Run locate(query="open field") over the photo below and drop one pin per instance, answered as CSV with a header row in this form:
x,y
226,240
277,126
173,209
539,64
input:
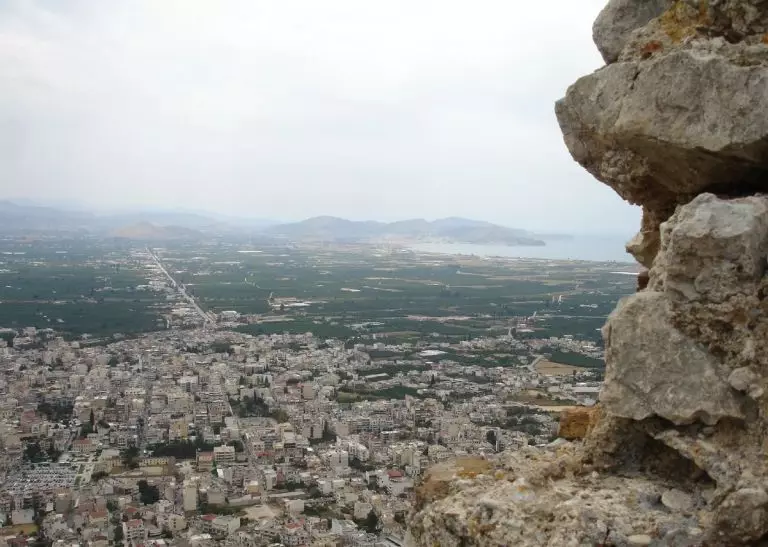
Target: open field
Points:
x,y
550,368
75,287
397,295
345,292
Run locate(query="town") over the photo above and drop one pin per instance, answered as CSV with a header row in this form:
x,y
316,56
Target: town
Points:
x,y
293,419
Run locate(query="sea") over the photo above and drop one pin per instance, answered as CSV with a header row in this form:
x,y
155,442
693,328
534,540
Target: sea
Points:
x,y
592,248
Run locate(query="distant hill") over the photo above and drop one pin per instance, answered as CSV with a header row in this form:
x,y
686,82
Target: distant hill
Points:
x,y
165,225
26,217
16,218
455,230
146,231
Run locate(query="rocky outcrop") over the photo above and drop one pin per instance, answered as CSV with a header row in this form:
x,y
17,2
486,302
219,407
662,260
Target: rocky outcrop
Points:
x,y
677,122
619,18
682,110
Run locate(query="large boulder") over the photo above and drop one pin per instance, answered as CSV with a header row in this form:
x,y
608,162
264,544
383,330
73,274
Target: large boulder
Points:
x,y
711,269
655,370
663,129
618,19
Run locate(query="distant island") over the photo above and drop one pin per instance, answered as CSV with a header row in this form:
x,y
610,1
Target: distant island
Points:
x,y
446,230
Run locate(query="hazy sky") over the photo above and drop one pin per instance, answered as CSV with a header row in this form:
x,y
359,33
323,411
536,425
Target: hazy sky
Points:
x,y
380,109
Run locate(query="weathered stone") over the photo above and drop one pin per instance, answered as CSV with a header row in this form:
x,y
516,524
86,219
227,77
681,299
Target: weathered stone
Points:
x,y
677,500
725,26
742,379
618,19
655,370
646,243
712,247
743,516
661,130
643,278
576,423
534,508
437,481
640,539
711,268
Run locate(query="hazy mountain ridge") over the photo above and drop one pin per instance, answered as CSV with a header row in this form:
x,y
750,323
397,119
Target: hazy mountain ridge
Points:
x,y
158,224
147,231
25,217
452,229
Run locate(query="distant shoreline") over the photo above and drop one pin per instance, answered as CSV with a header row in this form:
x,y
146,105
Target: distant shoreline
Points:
x,y
590,249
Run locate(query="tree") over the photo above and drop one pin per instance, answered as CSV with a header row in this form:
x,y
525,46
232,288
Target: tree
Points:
x,y
8,337
280,415
86,429
148,494
53,453
33,453
131,457
118,534
328,435
96,477
92,419
371,523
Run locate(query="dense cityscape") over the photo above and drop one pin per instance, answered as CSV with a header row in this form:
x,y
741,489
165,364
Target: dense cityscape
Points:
x,y
230,404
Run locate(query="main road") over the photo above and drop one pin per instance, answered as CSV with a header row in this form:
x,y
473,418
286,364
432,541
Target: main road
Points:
x,y
181,290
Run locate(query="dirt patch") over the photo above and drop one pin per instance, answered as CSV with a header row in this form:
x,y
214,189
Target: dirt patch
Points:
x,y
550,368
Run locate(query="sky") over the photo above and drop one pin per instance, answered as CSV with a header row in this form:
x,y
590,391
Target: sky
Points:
x,y
287,109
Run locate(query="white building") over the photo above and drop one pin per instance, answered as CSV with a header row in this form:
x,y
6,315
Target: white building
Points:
x,y
224,455
134,532
189,496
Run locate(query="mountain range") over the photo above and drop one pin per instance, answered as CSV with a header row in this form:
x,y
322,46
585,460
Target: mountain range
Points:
x,y
169,225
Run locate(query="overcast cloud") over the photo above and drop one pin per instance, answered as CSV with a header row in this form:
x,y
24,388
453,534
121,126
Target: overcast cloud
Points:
x,y
287,109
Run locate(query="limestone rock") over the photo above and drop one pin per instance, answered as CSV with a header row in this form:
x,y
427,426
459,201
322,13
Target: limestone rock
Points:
x,y
661,130
677,500
437,481
742,379
618,19
712,247
577,422
655,370
646,243
540,498
711,268
744,514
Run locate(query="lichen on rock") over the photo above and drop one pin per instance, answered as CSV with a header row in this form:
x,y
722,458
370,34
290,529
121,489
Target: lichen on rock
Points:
x,y
677,122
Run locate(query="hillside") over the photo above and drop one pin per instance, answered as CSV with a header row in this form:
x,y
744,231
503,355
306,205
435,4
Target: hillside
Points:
x,y
146,231
453,230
